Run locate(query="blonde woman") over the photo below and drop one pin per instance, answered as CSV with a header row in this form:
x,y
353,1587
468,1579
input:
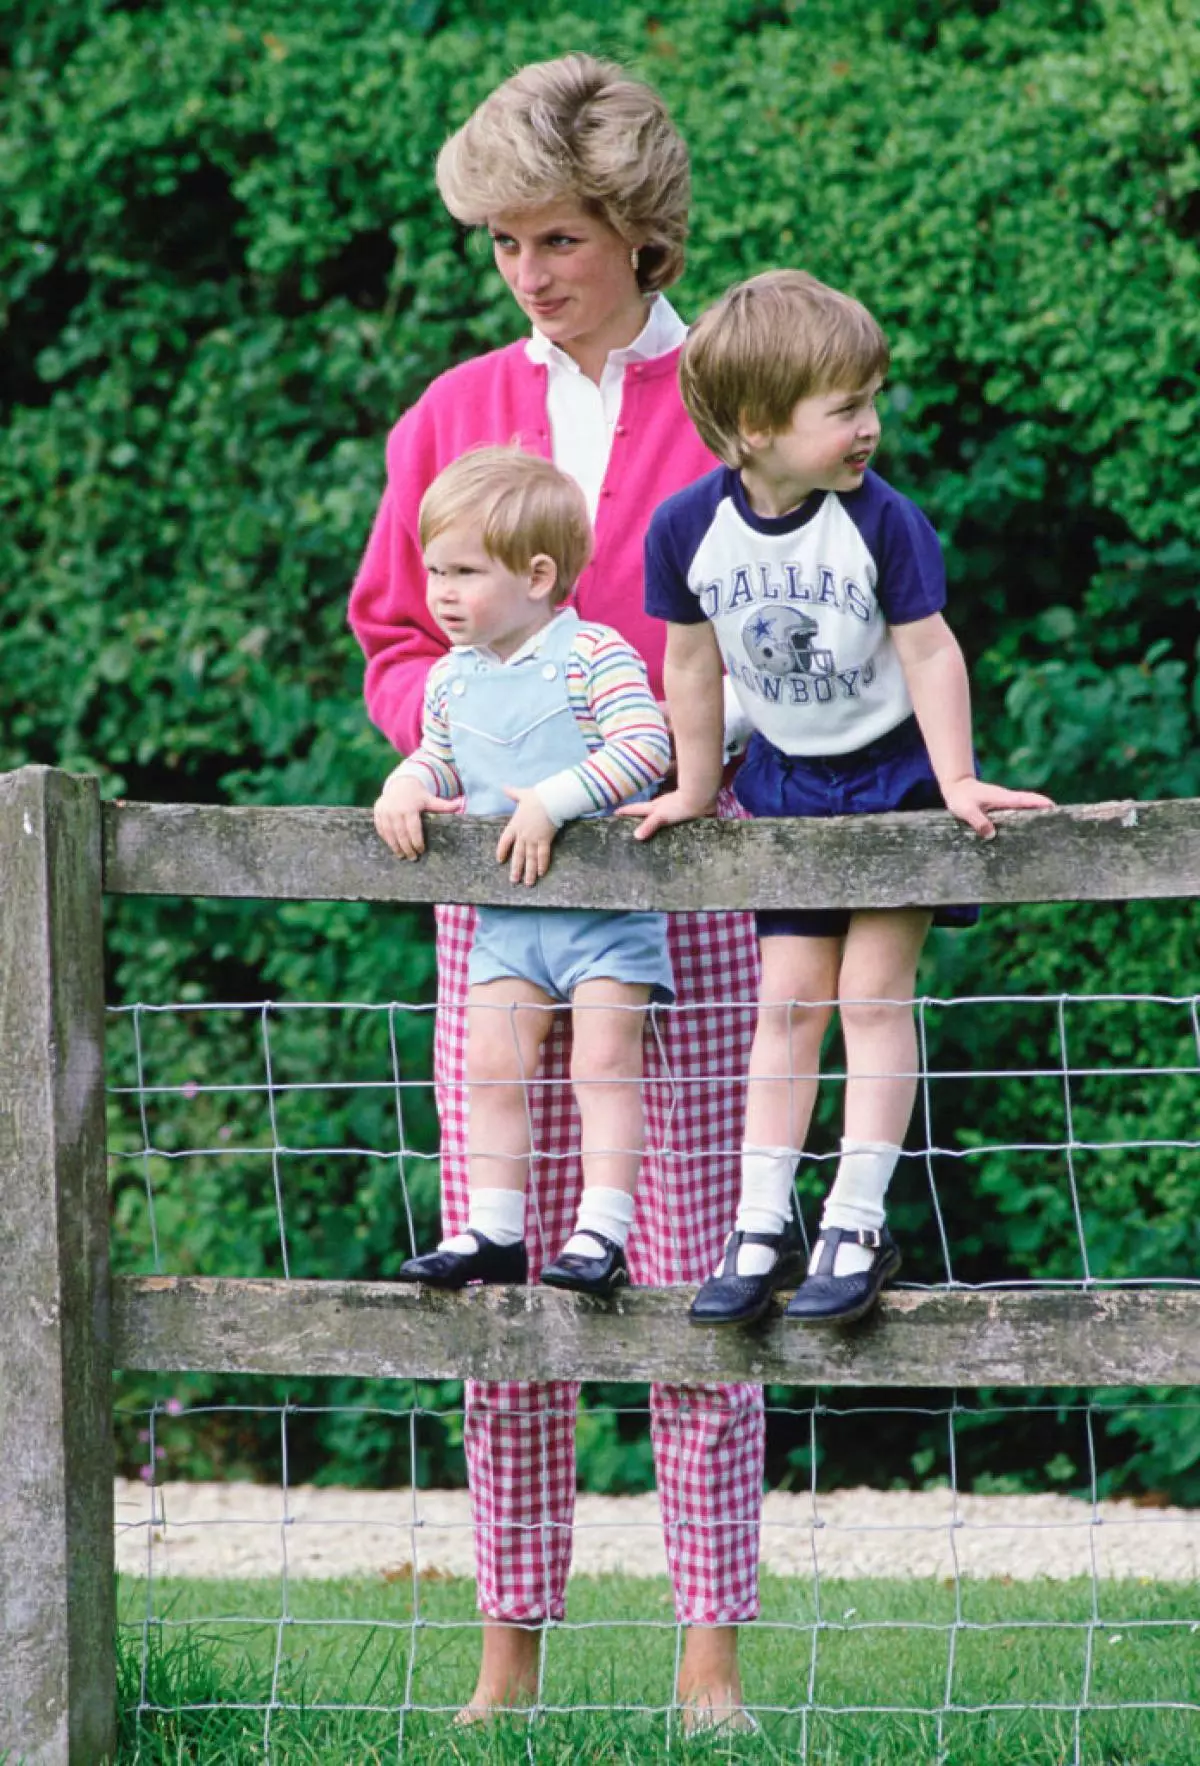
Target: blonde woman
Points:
x,y
582,182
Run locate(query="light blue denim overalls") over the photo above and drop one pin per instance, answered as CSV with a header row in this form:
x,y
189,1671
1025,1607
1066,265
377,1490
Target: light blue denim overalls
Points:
x,y
513,725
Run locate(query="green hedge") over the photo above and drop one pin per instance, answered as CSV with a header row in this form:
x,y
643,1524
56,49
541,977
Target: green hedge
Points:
x,y
225,271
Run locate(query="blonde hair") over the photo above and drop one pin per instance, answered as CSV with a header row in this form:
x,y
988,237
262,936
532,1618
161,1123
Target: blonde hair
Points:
x,y
767,344
582,130
521,506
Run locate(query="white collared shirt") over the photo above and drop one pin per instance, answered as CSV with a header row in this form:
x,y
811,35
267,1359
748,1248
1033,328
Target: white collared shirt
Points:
x,y
529,651
583,415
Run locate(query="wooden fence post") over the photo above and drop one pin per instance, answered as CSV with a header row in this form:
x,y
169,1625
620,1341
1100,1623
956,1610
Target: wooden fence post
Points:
x,y
57,1605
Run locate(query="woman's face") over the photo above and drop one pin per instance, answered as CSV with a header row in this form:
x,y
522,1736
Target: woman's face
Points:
x,y
571,274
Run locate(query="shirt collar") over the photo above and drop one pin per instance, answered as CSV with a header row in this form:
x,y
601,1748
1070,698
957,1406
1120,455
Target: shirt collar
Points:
x,y
530,650
663,331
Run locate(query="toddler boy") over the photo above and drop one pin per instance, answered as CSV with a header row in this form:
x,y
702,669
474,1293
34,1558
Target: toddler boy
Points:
x,y
535,708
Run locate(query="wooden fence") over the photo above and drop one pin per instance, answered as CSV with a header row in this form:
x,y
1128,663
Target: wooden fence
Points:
x,y
65,1324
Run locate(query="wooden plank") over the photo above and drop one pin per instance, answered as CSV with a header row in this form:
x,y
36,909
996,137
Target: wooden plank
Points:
x,y
1039,1337
57,1613
1090,852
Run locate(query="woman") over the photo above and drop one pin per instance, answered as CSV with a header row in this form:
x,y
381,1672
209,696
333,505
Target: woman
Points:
x,y
583,183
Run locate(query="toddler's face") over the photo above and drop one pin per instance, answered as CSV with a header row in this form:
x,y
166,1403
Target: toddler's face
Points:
x,y
477,600
826,447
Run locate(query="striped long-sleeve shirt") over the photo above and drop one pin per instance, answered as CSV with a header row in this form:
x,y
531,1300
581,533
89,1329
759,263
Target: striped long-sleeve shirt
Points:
x,y
629,748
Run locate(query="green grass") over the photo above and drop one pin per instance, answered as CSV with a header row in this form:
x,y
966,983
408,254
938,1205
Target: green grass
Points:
x,y
876,1644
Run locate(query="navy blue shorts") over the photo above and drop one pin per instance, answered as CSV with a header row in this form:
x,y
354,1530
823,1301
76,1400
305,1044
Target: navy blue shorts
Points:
x,y
891,773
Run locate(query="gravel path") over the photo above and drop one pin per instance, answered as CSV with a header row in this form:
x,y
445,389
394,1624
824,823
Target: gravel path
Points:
x,y
239,1530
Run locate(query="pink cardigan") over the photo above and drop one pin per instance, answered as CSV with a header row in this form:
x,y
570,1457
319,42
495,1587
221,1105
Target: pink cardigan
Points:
x,y
500,398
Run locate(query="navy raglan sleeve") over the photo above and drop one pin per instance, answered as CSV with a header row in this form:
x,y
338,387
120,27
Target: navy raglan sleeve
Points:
x,y
668,594
912,572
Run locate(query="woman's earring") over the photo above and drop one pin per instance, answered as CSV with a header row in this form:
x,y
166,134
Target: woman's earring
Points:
x,y
633,260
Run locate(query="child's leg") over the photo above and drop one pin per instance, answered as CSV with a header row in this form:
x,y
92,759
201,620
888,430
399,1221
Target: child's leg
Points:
x,y
507,1023
607,1020
799,984
795,1004
875,989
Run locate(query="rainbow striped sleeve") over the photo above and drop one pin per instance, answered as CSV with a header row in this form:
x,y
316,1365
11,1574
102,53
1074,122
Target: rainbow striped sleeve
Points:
x,y
626,733
433,762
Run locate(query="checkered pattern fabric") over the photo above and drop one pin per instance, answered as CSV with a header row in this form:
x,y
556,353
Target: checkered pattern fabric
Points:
x,y
708,1442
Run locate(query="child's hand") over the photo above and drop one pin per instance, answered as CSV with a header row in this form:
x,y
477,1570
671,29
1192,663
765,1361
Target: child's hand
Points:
x,y
970,799
527,837
398,811
661,812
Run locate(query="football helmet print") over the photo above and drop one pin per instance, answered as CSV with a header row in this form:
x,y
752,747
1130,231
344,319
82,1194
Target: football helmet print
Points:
x,y
779,641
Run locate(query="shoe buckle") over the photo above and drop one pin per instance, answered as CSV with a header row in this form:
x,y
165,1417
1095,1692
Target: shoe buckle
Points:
x,y
870,1237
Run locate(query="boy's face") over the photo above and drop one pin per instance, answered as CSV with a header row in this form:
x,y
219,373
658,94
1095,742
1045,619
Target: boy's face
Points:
x,y
477,600
827,446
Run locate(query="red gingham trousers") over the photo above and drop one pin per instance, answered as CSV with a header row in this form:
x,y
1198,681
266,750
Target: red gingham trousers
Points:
x,y
707,1440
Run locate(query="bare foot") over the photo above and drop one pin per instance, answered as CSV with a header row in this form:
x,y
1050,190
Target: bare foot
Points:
x,y
723,1714
710,1685
471,1714
508,1672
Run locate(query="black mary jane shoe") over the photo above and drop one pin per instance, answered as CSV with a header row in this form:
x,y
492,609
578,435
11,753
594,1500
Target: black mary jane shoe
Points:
x,y
823,1297
729,1298
589,1275
488,1262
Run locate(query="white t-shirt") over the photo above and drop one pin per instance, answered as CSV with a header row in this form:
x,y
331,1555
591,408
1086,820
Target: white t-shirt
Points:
x,y
802,604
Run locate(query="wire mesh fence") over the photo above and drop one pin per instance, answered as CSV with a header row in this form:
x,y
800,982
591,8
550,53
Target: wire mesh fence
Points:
x,y
914,1575
1081,1106
926,1607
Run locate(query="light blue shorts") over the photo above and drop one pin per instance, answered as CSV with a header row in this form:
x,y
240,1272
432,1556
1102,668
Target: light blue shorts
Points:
x,y
557,948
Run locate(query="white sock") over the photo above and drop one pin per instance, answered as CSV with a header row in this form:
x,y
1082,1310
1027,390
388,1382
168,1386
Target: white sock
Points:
x,y
602,1211
855,1203
765,1204
498,1214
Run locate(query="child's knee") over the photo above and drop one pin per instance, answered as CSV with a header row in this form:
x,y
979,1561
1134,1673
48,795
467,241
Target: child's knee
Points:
x,y
493,1056
610,1059
863,1015
793,1021
607,1044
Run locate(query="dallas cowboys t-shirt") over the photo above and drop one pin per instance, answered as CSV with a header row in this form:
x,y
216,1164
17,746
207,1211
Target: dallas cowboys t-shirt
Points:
x,y
802,604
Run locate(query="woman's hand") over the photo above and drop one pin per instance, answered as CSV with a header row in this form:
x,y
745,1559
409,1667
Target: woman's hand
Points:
x,y
969,799
398,811
527,838
661,812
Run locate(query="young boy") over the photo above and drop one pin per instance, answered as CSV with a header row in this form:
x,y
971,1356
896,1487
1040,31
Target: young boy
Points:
x,y
534,707
819,590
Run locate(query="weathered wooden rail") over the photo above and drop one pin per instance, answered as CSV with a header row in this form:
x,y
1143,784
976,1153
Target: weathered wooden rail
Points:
x,y
384,1330
1095,852
64,1323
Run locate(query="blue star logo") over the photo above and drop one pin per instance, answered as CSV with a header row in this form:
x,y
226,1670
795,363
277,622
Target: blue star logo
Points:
x,y
763,627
